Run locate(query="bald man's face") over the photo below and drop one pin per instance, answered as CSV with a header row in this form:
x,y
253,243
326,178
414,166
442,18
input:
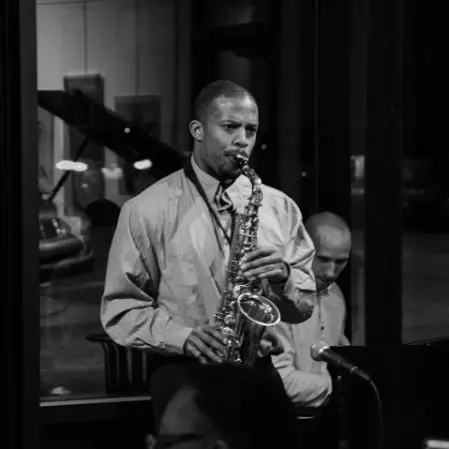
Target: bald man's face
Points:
x,y
333,248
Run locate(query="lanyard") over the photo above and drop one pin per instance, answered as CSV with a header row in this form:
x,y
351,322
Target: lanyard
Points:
x,y
191,175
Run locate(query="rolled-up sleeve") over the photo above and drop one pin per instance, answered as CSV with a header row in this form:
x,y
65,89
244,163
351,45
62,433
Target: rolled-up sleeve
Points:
x,y
299,292
299,254
129,309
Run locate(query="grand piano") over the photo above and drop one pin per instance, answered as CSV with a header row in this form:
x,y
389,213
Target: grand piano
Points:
x,y
102,125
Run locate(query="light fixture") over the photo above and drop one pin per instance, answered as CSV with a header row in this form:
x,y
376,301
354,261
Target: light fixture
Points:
x,y
112,173
71,165
144,164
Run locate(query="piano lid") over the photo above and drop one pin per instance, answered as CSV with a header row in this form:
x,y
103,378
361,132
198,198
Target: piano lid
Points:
x,y
107,128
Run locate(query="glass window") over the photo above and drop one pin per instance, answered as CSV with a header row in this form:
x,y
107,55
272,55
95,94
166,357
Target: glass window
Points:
x,y
103,67
425,185
358,117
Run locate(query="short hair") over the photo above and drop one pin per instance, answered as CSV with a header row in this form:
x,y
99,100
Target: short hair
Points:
x,y
221,88
247,408
329,219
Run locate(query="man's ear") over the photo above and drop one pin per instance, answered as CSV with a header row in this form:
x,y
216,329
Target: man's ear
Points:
x,y
196,130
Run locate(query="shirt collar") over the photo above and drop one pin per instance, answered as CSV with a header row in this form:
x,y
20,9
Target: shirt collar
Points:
x,y
208,182
237,193
324,291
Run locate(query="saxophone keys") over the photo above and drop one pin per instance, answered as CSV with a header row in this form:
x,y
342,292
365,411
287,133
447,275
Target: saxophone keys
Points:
x,y
229,320
227,332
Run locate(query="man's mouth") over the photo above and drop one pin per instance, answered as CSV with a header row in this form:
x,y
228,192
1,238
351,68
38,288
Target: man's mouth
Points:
x,y
232,160
322,283
235,151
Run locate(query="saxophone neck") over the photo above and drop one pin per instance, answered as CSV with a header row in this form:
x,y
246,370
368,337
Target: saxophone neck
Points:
x,y
252,176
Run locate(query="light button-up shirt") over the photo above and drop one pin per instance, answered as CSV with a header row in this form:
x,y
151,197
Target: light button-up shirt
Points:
x,y
166,267
307,381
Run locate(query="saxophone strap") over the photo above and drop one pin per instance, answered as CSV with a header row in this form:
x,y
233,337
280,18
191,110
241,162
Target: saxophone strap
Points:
x,y
191,175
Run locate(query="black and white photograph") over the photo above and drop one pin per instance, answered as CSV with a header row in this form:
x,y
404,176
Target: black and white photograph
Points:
x,y
224,224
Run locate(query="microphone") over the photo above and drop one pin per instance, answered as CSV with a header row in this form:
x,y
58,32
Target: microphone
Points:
x,y
321,352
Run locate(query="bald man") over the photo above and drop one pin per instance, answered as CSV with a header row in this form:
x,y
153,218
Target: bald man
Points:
x,y
306,381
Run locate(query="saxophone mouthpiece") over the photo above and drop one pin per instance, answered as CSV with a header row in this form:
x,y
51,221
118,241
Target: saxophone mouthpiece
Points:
x,y
240,157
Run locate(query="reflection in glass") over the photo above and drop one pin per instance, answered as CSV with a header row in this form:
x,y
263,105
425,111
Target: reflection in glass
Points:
x,y
358,249
95,152
425,252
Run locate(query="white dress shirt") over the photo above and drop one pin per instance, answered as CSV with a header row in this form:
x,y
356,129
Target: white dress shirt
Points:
x,y
307,381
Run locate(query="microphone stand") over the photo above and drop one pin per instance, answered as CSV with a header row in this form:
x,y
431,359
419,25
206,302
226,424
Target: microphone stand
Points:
x,y
342,406
380,428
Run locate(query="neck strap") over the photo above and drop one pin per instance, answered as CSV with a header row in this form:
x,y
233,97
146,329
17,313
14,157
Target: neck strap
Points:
x,y
191,175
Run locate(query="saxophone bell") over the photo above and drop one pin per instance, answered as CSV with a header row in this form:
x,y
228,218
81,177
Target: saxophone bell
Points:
x,y
259,313
243,323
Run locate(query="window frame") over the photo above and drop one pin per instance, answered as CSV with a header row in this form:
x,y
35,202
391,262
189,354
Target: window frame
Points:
x,y
19,224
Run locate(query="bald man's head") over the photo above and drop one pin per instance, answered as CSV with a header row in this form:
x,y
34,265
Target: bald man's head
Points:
x,y
332,239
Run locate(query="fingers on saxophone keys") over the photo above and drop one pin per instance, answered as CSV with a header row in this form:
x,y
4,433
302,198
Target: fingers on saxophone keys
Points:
x,y
212,349
248,274
213,356
218,350
218,338
204,352
270,273
192,350
197,354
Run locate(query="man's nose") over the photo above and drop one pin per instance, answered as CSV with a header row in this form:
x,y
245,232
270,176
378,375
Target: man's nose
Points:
x,y
241,138
329,270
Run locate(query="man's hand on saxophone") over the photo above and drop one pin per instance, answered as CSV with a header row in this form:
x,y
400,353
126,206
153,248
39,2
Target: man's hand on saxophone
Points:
x,y
270,344
265,262
206,344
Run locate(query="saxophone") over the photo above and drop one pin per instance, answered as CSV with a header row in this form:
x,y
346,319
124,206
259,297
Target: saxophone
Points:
x,y
244,313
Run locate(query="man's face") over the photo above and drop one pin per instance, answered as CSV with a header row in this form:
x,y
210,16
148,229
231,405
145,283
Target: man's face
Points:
x,y
231,125
183,425
333,248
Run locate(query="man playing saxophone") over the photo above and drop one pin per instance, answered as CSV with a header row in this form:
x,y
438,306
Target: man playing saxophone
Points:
x,y
168,259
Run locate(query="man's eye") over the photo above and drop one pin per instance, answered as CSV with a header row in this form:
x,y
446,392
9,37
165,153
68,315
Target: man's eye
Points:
x,y
230,127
